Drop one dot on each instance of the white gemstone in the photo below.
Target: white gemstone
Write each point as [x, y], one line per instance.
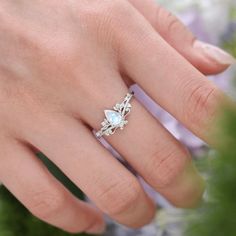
[113, 117]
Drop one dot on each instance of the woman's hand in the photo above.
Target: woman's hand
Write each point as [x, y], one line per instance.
[62, 63]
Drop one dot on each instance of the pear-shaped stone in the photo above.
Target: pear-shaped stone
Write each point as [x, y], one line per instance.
[113, 117]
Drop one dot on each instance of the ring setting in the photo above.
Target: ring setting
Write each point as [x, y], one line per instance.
[116, 118]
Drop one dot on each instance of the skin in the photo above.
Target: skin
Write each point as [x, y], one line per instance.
[62, 63]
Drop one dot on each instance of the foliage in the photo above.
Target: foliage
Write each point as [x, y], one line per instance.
[231, 45]
[217, 216]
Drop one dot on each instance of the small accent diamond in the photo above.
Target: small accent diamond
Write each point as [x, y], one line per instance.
[116, 119]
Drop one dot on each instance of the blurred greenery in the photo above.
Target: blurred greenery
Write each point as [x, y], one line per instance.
[233, 13]
[231, 46]
[217, 216]
[61, 177]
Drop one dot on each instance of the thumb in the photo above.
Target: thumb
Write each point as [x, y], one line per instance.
[205, 57]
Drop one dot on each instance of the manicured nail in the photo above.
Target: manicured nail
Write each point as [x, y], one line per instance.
[97, 229]
[215, 53]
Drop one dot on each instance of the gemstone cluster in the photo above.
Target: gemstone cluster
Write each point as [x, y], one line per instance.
[116, 118]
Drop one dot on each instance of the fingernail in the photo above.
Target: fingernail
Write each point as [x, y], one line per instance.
[97, 229]
[215, 53]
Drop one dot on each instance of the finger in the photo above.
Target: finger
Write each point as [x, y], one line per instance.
[73, 148]
[150, 149]
[206, 58]
[26, 177]
[168, 78]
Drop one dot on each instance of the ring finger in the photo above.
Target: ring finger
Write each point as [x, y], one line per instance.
[72, 147]
[154, 153]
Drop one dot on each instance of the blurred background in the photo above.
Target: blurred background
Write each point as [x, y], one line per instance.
[213, 21]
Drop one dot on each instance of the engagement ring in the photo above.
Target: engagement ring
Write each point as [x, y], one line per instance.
[116, 118]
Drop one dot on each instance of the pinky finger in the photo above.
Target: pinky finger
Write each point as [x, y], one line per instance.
[30, 181]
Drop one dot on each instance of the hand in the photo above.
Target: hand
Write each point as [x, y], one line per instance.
[62, 63]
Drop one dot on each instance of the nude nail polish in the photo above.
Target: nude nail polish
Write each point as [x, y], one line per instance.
[215, 53]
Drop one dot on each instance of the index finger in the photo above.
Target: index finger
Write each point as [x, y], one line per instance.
[169, 78]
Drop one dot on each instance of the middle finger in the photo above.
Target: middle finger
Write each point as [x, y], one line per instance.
[169, 78]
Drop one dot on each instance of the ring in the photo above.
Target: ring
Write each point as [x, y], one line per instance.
[116, 118]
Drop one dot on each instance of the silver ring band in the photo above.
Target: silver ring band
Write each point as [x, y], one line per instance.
[116, 118]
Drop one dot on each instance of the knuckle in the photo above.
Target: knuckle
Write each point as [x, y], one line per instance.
[114, 8]
[103, 12]
[119, 197]
[167, 21]
[165, 166]
[105, 20]
[46, 204]
[201, 104]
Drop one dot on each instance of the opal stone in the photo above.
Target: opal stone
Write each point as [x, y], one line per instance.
[113, 117]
